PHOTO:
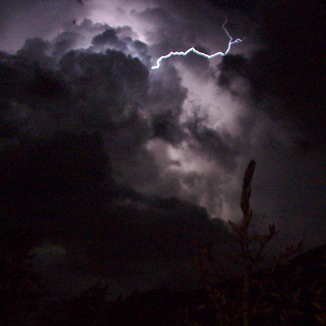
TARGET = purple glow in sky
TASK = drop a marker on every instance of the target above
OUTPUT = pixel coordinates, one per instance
(188, 129)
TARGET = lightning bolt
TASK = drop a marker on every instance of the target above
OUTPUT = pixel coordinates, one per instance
(192, 49)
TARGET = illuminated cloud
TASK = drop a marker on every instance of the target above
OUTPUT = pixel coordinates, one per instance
(186, 130)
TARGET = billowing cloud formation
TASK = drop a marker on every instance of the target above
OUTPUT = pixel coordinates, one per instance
(186, 130)
(25, 19)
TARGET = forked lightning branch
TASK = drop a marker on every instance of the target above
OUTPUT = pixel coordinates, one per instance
(192, 49)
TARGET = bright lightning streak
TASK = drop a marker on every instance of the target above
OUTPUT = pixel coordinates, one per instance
(192, 49)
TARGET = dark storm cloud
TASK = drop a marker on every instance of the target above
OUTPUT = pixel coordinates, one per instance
(76, 35)
(221, 147)
(231, 67)
(109, 81)
(109, 36)
(65, 42)
(282, 87)
(278, 89)
(290, 67)
(83, 91)
(63, 182)
(166, 97)
(88, 225)
(244, 5)
(84, 88)
(166, 36)
(34, 49)
(130, 129)
(193, 23)
(79, 90)
(178, 26)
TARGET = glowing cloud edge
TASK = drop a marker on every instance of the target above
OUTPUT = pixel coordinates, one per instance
(192, 49)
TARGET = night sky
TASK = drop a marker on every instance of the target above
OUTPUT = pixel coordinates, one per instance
(118, 168)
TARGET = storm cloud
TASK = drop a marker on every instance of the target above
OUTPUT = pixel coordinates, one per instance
(161, 152)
